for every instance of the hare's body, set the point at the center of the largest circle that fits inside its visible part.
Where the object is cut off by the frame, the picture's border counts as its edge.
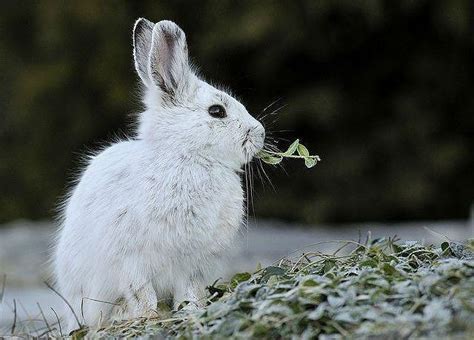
(162, 240)
(154, 217)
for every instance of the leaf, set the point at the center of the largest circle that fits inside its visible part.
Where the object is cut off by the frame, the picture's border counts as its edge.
(302, 150)
(272, 157)
(79, 333)
(261, 154)
(273, 280)
(272, 270)
(335, 301)
(446, 248)
(309, 283)
(470, 244)
(292, 148)
(240, 277)
(328, 265)
(269, 159)
(396, 248)
(369, 263)
(345, 317)
(389, 269)
(317, 313)
(310, 162)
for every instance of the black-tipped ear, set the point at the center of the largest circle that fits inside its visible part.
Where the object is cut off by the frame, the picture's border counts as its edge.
(169, 65)
(142, 36)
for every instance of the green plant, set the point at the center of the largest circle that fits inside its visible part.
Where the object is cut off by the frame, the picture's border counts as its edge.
(380, 288)
(295, 150)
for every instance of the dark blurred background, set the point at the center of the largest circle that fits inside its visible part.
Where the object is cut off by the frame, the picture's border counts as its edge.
(383, 91)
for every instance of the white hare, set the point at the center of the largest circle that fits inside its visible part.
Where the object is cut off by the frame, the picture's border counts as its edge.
(153, 216)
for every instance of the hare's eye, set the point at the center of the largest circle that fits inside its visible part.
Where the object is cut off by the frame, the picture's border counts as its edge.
(217, 111)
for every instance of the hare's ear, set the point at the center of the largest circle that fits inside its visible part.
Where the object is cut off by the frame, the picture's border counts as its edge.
(142, 34)
(169, 65)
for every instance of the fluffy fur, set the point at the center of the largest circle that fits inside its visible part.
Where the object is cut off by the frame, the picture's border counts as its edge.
(154, 216)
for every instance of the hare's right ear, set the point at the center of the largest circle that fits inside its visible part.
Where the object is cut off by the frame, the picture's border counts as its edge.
(169, 66)
(142, 36)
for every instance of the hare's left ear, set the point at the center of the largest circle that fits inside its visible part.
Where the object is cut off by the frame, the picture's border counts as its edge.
(142, 33)
(169, 65)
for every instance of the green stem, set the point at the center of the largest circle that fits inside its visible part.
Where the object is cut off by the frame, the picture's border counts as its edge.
(281, 154)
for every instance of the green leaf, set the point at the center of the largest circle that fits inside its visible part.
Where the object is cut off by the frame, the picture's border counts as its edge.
(469, 244)
(328, 265)
(396, 248)
(369, 263)
(240, 277)
(292, 148)
(318, 313)
(310, 162)
(335, 301)
(272, 270)
(273, 280)
(309, 283)
(446, 248)
(302, 150)
(389, 269)
(270, 159)
(79, 333)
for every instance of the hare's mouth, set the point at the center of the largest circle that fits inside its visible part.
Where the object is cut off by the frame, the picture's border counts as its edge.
(252, 144)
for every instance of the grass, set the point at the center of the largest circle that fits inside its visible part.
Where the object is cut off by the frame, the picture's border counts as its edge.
(377, 289)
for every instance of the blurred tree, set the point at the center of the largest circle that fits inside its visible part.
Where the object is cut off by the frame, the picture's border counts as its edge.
(381, 90)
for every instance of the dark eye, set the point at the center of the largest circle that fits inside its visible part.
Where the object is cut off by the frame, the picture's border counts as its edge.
(217, 111)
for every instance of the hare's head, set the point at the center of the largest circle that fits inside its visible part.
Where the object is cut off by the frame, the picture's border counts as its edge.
(183, 110)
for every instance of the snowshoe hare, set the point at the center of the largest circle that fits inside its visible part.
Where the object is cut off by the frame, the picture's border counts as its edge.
(152, 217)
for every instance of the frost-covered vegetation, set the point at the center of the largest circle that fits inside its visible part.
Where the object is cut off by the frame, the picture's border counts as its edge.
(378, 288)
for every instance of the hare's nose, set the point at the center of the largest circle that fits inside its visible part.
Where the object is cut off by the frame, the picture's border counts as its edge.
(260, 131)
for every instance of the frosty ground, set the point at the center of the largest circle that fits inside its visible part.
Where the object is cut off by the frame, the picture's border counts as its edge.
(24, 246)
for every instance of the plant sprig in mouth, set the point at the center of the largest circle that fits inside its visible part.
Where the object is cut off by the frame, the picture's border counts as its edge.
(295, 150)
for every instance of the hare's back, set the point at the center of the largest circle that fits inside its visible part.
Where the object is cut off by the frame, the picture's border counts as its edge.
(108, 183)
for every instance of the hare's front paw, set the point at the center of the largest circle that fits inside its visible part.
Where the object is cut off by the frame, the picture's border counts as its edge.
(139, 302)
(189, 298)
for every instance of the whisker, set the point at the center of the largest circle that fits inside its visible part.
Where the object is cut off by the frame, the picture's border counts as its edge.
(259, 173)
(272, 113)
(246, 205)
(266, 175)
(271, 132)
(270, 105)
(283, 168)
(278, 109)
(251, 189)
(271, 147)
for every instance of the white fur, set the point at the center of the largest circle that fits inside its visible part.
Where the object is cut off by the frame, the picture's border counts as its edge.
(154, 216)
